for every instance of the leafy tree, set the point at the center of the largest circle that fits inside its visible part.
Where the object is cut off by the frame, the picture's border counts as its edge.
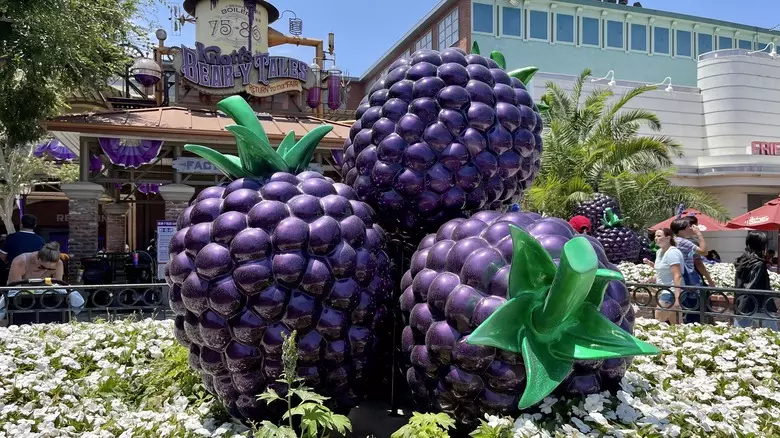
(20, 169)
(592, 144)
(48, 49)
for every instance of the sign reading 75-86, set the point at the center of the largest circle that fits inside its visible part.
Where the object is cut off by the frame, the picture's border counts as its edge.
(228, 24)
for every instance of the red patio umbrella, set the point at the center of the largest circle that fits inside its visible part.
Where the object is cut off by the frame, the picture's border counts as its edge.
(764, 218)
(706, 223)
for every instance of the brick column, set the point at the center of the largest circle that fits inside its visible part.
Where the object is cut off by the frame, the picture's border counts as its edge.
(177, 198)
(82, 222)
(116, 226)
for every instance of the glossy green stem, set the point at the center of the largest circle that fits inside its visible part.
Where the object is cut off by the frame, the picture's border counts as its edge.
(573, 280)
(610, 219)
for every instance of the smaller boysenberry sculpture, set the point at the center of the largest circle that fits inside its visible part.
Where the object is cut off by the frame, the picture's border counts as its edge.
(595, 207)
(621, 244)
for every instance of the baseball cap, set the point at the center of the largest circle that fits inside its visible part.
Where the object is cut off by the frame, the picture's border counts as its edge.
(580, 222)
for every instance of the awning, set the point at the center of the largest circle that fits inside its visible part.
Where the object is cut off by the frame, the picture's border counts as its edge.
(183, 125)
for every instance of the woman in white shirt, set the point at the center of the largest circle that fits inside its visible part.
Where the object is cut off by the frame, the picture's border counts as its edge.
(668, 272)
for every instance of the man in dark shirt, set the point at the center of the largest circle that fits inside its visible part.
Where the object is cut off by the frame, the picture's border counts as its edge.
(24, 240)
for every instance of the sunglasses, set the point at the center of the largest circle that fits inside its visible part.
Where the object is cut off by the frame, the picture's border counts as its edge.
(44, 268)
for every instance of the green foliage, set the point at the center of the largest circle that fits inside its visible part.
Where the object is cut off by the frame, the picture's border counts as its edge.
(592, 144)
(316, 419)
(503, 429)
(426, 426)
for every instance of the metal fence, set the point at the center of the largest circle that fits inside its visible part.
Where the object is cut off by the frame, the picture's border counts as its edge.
(745, 307)
(41, 304)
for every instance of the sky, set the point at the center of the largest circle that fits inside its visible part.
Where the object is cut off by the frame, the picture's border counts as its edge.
(363, 33)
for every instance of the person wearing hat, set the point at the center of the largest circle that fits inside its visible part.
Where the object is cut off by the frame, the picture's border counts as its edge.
(581, 224)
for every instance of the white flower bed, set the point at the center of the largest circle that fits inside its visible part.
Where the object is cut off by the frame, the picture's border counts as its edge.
(722, 274)
(129, 379)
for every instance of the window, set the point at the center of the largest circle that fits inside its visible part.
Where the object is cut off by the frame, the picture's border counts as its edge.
(615, 36)
(483, 18)
(684, 42)
(746, 44)
(538, 22)
(704, 42)
(725, 43)
(639, 37)
(448, 30)
(564, 28)
(511, 22)
(763, 47)
(426, 42)
(590, 31)
(661, 40)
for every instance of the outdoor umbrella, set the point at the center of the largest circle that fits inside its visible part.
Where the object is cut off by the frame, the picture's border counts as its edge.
(764, 218)
(706, 223)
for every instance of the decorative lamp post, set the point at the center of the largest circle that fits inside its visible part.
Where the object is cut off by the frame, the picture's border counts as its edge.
(334, 88)
(146, 71)
(314, 95)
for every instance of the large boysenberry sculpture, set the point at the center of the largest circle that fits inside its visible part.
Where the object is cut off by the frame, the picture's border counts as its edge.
(441, 134)
(278, 249)
(505, 308)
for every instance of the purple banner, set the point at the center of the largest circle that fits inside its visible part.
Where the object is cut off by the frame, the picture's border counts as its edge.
(54, 149)
(130, 153)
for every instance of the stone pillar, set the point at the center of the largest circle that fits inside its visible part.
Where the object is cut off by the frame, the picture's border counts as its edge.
(116, 226)
(177, 198)
(82, 222)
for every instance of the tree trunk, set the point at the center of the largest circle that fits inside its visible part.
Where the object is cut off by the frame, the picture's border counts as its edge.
(6, 213)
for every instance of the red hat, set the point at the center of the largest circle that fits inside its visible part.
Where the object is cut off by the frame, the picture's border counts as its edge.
(580, 222)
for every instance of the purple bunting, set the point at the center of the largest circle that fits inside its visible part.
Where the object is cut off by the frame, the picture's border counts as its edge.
(130, 153)
(54, 149)
(95, 164)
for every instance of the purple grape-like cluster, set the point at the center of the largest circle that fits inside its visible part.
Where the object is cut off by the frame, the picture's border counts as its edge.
(256, 259)
(440, 134)
(621, 244)
(457, 279)
(594, 208)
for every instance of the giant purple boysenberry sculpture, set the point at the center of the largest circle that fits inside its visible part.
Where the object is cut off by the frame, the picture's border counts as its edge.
(443, 133)
(278, 249)
(534, 294)
(621, 244)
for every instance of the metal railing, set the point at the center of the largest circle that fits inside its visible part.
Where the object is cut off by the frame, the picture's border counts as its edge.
(32, 304)
(708, 304)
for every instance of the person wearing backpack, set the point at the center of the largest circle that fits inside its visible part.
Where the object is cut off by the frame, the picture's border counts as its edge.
(684, 233)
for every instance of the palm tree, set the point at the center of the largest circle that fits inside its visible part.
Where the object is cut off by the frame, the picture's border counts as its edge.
(592, 145)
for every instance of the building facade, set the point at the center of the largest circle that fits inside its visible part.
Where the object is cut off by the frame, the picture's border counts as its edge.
(719, 82)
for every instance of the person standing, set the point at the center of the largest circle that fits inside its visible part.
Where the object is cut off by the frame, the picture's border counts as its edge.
(684, 231)
(751, 273)
(668, 272)
(23, 241)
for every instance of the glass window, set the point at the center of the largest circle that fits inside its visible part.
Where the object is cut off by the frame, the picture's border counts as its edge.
(684, 41)
(615, 36)
(564, 28)
(725, 43)
(763, 47)
(746, 44)
(512, 19)
(590, 31)
(661, 40)
(704, 42)
(448, 30)
(538, 21)
(639, 37)
(483, 18)
(426, 42)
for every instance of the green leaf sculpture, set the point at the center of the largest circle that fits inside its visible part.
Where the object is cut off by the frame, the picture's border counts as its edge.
(552, 316)
(256, 158)
(610, 219)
